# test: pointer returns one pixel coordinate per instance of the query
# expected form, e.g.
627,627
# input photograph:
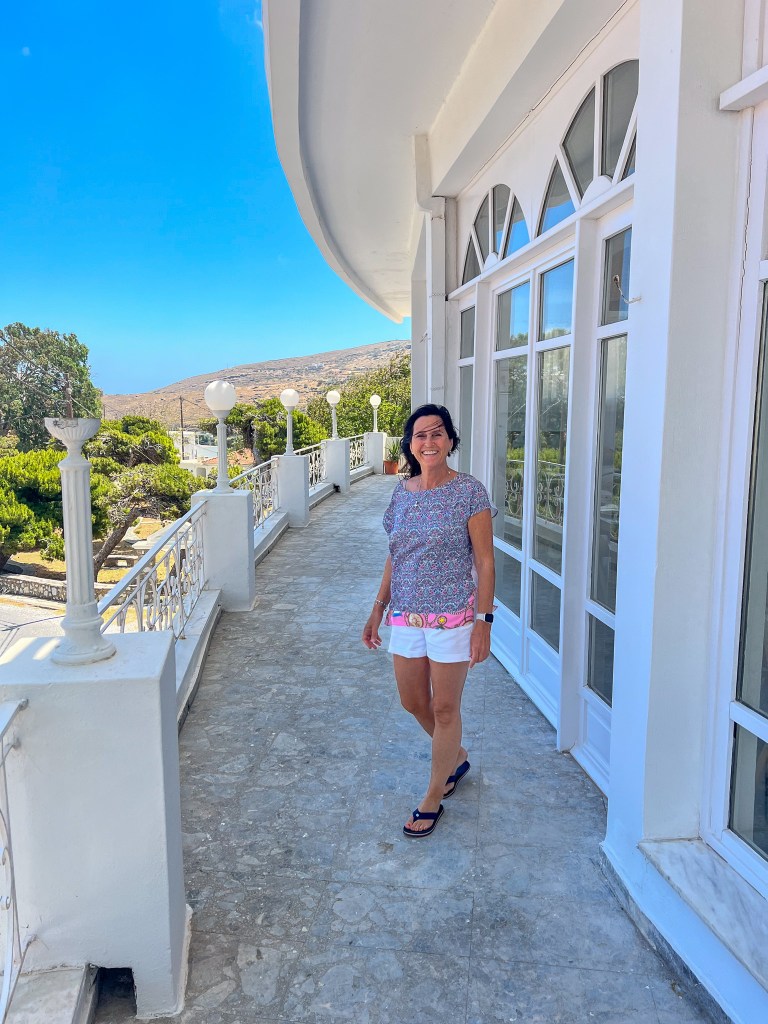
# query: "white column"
293,487
337,462
374,450
96,813
83,641
228,546
436,316
222,463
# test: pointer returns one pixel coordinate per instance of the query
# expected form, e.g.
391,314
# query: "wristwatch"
484,617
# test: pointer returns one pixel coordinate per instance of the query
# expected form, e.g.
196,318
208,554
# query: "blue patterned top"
430,547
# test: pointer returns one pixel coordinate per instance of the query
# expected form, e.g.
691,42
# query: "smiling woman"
439,527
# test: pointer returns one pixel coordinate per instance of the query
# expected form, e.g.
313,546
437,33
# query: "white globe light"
375,401
290,399
333,398
220,397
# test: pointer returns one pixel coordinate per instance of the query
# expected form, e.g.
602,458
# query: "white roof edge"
282,21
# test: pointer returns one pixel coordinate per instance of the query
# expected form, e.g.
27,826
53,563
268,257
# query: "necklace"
422,489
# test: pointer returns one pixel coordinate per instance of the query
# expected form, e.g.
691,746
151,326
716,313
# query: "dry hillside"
310,375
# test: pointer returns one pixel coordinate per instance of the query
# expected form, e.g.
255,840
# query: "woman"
439,525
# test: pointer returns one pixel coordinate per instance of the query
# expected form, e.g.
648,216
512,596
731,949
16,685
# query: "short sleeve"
478,499
389,515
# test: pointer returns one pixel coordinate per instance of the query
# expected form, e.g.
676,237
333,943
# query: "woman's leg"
447,687
413,685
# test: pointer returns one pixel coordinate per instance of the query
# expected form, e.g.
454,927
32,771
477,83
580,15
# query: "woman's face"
430,443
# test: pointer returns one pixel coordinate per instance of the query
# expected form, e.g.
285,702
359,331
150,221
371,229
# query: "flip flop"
433,816
454,780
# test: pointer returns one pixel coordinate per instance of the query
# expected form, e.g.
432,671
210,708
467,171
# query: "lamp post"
289,399
333,398
375,402
220,397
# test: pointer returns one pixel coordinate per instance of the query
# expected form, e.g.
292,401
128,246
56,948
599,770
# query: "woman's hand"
479,643
371,637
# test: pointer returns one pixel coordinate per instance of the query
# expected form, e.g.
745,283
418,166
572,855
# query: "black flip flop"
433,816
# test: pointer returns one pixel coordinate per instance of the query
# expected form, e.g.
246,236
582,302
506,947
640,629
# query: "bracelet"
382,603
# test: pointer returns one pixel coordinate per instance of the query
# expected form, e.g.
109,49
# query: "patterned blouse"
432,566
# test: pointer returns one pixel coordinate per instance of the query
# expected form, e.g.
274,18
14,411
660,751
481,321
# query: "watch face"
487,617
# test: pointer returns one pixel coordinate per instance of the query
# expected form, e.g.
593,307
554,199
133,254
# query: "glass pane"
556,302
616,277
553,368
471,264
500,204
481,229
513,314
600,664
507,580
631,160
619,95
545,610
467,342
518,231
579,144
610,440
466,374
749,790
558,203
752,683
509,449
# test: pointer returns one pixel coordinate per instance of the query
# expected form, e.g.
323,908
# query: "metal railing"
550,491
261,481
356,451
14,948
316,454
161,590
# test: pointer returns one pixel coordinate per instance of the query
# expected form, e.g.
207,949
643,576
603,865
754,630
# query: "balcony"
298,769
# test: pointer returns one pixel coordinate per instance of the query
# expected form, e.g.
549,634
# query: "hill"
310,375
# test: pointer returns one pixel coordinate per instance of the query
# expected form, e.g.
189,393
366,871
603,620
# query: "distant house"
569,200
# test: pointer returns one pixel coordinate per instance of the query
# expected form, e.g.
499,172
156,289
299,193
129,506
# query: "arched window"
498,228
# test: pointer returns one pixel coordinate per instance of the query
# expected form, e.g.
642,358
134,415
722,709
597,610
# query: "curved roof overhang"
352,85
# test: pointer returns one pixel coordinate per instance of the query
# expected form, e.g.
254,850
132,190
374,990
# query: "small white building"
569,199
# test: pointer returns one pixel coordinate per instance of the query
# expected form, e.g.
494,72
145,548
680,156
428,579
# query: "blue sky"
141,199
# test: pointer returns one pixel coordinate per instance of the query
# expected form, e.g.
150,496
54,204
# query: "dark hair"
414,469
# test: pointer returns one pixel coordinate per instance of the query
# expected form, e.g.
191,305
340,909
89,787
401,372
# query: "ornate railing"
316,454
356,451
550,491
161,589
261,481
15,948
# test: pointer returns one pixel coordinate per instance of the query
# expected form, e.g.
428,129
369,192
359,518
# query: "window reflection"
518,230
558,203
619,95
467,340
509,449
600,660
749,790
579,144
481,228
500,204
556,302
513,314
507,580
553,371
545,610
616,277
466,378
605,537
471,264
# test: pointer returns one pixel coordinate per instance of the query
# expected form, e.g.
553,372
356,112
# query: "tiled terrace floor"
298,770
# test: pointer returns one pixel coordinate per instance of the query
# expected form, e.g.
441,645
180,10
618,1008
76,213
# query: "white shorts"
446,645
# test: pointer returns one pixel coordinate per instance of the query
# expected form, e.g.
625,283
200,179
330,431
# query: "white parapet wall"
293,487
96,816
337,463
228,546
375,444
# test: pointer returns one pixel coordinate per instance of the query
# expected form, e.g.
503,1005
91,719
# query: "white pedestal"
337,462
375,442
95,812
228,546
293,487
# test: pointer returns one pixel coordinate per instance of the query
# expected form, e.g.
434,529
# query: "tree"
263,428
162,491
40,371
393,385
132,441
19,529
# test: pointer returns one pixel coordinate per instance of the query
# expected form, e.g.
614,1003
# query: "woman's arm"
371,637
481,538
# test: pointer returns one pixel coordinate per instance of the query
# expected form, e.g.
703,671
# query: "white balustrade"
356,451
316,455
261,481
14,945
161,589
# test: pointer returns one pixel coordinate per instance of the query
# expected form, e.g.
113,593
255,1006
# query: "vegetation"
262,427
42,373
354,413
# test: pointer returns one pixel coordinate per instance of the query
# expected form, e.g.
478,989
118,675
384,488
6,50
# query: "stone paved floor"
298,770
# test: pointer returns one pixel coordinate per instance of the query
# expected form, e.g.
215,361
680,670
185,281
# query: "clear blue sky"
141,199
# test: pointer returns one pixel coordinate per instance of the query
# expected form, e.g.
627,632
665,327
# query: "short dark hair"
414,469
